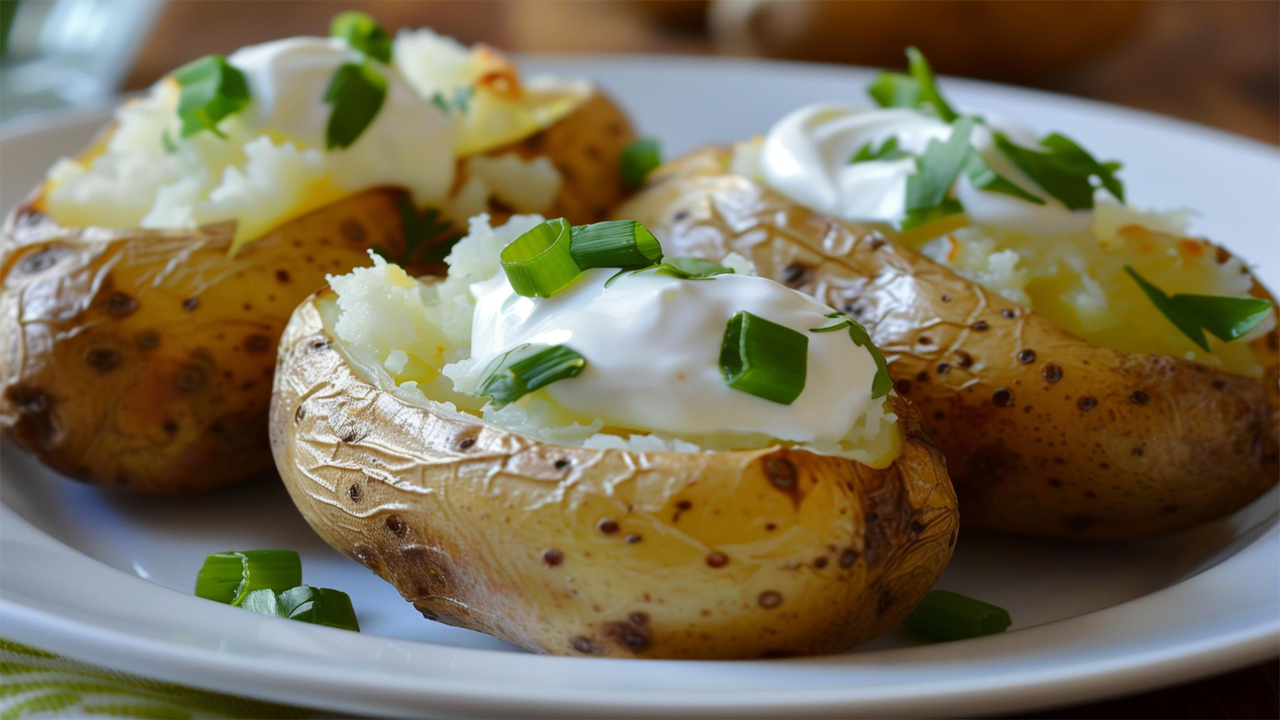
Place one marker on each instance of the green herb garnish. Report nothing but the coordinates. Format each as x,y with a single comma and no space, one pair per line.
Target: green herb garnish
919,89
888,150
461,100
229,577
944,615
622,244
638,160
211,90
363,33
540,262
427,236
526,368
170,147
1063,169
763,358
1226,318
936,172
881,384
356,92
983,177
319,606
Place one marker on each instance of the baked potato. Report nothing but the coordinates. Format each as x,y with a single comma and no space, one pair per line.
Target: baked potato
141,358
1044,433
574,548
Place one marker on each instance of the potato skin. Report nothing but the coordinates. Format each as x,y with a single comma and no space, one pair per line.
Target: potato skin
1044,433
141,360
571,551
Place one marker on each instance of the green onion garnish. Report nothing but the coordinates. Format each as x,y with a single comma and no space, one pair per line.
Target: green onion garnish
638,160
983,177
946,615
320,606
526,368
1063,169
622,244
211,90
881,384
228,577
936,172
764,358
888,150
1226,318
895,89
356,92
540,262
689,268
363,33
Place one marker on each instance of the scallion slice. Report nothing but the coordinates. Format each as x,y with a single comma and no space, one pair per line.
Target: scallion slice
881,384
764,358
622,244
540,262
212,89
526,368
229,577
638,160
946,615
319,606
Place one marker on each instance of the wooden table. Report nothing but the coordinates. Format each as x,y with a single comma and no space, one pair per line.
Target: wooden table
1212,63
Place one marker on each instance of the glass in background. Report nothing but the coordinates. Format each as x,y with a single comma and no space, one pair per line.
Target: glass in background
68,52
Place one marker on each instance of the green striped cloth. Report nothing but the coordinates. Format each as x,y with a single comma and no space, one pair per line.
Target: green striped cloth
37,684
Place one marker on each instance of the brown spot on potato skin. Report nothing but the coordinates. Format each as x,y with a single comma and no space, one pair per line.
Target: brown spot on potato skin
1051,372
848,558
190,304
552,557
584,645
1087,403
795,275
1026,357
147,340
820,562
257,343
120,305
633,539
630,635
717,559
300,414
353,492
1002,398
903,386
283,277
769,599
608,527
102,359
980,326
395,525
353,230
1139,398
190,378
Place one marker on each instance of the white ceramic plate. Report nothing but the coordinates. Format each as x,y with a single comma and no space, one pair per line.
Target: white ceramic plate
107,577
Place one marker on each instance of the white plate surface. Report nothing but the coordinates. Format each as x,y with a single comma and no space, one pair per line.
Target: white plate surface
107,577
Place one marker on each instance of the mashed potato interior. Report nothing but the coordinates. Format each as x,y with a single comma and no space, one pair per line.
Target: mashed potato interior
413,339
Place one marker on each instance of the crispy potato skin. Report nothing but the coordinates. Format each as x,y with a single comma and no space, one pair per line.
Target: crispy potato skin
1044,433
571,551
141,360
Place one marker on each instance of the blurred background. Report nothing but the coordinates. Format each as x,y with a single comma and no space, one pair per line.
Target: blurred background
1216,63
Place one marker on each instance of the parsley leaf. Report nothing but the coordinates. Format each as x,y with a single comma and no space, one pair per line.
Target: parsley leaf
685,268
983,177
427,236
211,89
362,33
881,384
1063,170
936,171
893,89
1226,318
356,93
888,150
170,147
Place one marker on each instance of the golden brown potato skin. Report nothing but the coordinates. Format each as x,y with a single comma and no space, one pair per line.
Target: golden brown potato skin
571,551
141,360
1044,433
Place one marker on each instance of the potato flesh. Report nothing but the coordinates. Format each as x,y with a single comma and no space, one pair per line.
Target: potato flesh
576,551
1044,433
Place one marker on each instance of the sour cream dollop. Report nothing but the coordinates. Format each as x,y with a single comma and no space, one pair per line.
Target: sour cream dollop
652,345
805,157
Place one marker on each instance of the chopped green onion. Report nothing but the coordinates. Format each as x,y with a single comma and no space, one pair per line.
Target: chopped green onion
319,606
689,268
540,262
170,147
638,160
937,170
363,33
764,358
983,177
894,89
881,384
211,89
461,100
1226,318
1063,169
526,368
929,91
622,244
888,150
943,615
228,577
356,92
